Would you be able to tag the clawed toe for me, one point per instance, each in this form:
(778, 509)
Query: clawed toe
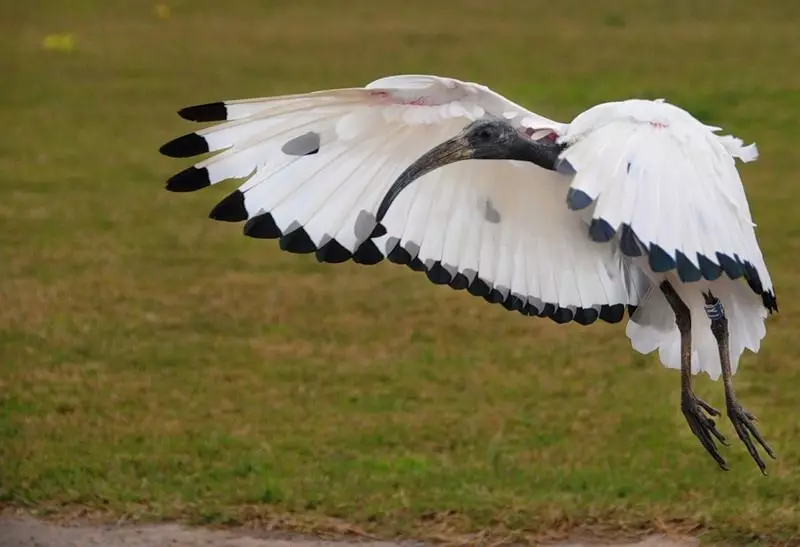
(743, 424)
(704, 427)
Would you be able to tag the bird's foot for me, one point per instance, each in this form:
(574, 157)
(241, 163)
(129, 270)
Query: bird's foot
(702, 426)
(743, 424)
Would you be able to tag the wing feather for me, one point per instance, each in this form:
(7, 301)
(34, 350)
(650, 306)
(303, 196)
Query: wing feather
(315, 167)
(689, 213)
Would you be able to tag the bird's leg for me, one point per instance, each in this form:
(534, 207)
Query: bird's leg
(691, 405)
(741, 419)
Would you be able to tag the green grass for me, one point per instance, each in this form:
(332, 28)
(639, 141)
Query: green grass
(156, 363)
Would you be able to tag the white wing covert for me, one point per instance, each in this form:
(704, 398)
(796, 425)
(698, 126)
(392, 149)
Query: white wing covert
(316, 166)
(667, 188)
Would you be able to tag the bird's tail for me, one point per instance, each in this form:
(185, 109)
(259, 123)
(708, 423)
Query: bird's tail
(653, 325)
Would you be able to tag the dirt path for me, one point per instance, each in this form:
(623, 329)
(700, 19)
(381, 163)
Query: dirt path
(25, 531)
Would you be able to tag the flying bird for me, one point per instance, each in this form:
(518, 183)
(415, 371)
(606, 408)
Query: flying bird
(634, 207)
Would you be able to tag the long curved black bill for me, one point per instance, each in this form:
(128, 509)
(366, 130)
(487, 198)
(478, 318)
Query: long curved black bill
(450, 151)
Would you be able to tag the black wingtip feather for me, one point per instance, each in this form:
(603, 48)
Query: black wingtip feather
(494, 297)
(438, 275)
(399, 255)
(417, 265)
(513, 303)
(210, 112)
(459, 282)
(710, 270)
(612, 313)
(564, 167)
(479, 288)
(297, 241)
(586, 316)
(770, 301)
(230, 209)
(547, 310)
(262, 227)
(660, 260)
(578, 199)
(753, 279)
(367, 254)
(601, 231)
(628, 243)
(562, 315)
(731, 267)
(189, 180)
(185, 146)
(687, 271)
(333, 252)
(378, 231)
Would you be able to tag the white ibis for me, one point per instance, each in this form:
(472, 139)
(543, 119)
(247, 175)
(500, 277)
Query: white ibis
(634, 205)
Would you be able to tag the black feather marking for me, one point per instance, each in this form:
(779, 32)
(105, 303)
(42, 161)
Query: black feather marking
(565, 167)
(586, 316)
(479, 288)
(731, 267)
(189, 180)
(513, 303)
(660, 261)
(230, 209)
(578, 199)
(753, 279)
(709, 270)
(399, 255)
(185, 146)
(378, 231)
(494, 297)
(601, 231)
(529, 310)
(297, 241)
(612, 313)
(210, 112)
(262, 227)
(304, 145)
(687, 271)
(547, 310)
(417, 265)
(333, 252)
(632, 309)
(629, 243)
(459, 282)
(770, 301)
(562, 315)
(490, 213)
(439, 275)
(367, 253)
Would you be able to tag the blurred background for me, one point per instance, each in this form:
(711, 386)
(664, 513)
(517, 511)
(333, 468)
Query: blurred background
(157, 364)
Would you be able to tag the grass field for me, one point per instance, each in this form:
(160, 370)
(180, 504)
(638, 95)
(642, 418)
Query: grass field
(156, 364)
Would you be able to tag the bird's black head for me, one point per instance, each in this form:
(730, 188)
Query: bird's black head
(487, 139)
(487, 134)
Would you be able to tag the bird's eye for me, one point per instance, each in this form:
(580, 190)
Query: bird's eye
(485, 134)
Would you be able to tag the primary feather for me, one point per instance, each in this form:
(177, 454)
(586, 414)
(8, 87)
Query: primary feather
(316, 165)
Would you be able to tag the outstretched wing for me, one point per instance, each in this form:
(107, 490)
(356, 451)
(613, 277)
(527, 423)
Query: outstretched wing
(317, 165)
(666, 186)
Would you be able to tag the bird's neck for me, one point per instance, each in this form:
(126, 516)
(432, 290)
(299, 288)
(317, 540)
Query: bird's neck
(543, 153)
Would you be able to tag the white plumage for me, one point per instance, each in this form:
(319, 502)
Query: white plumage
(653, 170)
(642, 193)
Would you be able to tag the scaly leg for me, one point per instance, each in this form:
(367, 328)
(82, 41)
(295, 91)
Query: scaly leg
(691, 405)
(741, 419)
